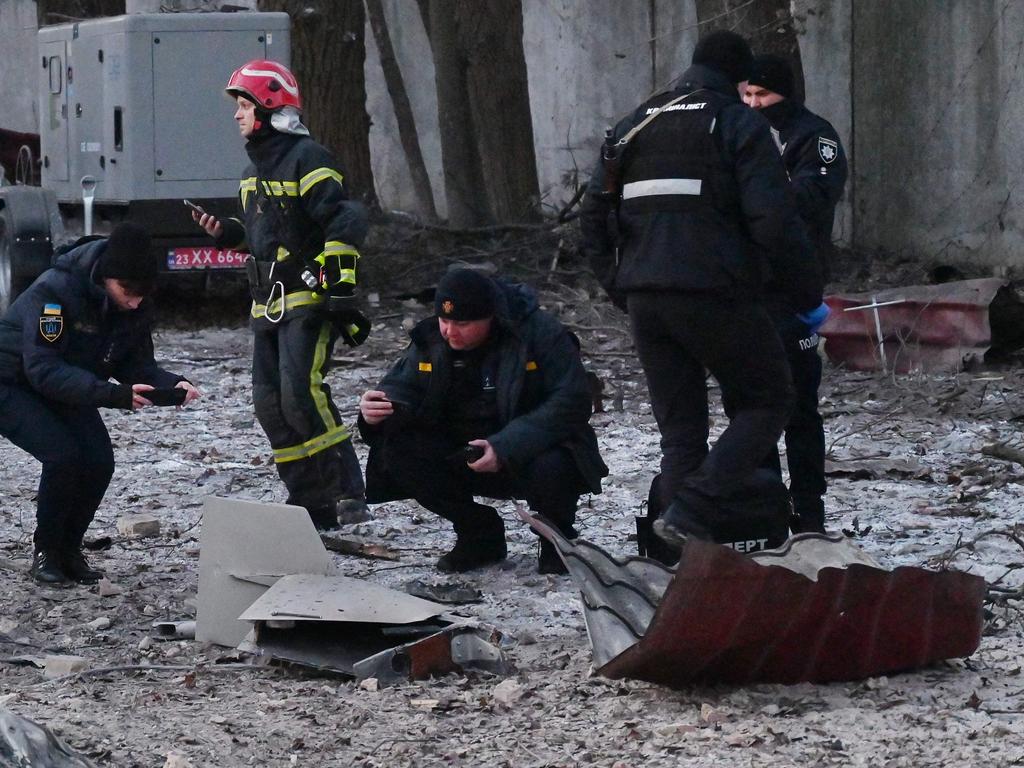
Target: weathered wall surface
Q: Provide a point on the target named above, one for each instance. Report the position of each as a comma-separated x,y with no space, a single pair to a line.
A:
18,110
939,99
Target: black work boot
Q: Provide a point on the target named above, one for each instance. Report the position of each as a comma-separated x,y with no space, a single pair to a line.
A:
470,554
549,561
324,518
353,510
77,568
681,520
46,567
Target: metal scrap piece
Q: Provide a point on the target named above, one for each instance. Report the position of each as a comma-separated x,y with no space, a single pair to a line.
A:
725,617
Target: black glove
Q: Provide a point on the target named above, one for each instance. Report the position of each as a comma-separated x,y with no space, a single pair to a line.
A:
352,324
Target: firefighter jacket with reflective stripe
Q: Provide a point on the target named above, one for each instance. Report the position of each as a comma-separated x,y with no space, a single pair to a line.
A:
542,394
704,204
64,339
297,218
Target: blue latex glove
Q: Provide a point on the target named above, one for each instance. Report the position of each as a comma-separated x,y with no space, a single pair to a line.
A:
815,318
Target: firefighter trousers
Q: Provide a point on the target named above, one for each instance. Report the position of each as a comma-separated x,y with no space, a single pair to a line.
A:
74,447
312,447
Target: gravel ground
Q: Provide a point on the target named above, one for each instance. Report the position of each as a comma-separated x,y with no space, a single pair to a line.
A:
960,712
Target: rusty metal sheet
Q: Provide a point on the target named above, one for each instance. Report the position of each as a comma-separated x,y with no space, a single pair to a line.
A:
923,327
815,610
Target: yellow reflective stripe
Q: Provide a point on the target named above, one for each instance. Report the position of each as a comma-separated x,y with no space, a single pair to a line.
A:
311,447
291,301
283,253
531,365
316,377
281,188
426,367
336,248
312,178
348,276
245,188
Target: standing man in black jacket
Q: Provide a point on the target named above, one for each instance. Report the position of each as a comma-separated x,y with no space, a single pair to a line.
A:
489,399
816,165
302,231
79,324
682,223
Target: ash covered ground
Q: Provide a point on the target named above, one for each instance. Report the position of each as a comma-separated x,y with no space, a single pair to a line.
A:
931,493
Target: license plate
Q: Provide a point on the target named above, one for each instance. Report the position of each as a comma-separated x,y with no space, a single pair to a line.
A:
205,258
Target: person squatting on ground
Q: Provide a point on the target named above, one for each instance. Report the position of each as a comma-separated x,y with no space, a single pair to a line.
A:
302,231
495,374
680,223
79,324
816,164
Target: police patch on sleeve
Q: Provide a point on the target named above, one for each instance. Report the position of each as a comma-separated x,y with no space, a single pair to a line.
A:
828,150
51,323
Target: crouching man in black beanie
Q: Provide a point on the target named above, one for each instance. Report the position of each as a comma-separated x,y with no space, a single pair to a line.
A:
80,324
490,399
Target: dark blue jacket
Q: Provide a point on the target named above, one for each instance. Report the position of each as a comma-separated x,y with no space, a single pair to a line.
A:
64,339
544,399
727,252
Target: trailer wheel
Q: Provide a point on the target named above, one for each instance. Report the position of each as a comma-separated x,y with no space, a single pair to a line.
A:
25,244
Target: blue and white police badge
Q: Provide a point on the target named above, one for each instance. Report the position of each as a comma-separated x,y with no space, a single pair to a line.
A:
51,324
828,150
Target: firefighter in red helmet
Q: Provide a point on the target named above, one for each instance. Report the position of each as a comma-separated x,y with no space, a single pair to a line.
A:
303,232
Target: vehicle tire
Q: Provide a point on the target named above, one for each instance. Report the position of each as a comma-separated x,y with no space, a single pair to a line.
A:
25,243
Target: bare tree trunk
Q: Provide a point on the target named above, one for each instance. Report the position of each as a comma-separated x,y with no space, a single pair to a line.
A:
484,110
403,110
767,24
60,11
328,52
463,175
499,97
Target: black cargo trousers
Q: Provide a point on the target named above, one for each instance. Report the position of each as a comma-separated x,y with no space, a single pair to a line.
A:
74,447
679,336
311,445
427,466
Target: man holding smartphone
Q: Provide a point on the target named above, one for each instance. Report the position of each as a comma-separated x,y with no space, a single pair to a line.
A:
490,399
81,323
303,231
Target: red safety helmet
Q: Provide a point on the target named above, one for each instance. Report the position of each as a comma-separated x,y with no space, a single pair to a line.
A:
267,84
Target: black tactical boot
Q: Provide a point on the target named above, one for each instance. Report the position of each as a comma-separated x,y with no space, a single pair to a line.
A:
470,554
77,568
352,511
45,567
324,518
548,560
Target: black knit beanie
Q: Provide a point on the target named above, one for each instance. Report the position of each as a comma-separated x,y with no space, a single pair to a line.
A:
128,258
773,73
464,294
727,52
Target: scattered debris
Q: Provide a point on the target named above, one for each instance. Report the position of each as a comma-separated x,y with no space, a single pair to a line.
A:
872,469
246,546
107,588
508,692
138,526
99,624
61,665
26,743
917,327
356,547
452,593
817,609
175,630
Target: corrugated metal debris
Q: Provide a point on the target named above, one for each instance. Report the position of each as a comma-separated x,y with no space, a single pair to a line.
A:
818,610
914,328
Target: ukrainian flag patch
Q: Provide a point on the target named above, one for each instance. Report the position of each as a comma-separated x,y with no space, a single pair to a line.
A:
426,367
51,309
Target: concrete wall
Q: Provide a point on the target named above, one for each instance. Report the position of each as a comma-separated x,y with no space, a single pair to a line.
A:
939,102
18,109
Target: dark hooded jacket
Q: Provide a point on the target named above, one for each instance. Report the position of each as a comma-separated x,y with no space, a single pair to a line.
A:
543,396
64,339
738,229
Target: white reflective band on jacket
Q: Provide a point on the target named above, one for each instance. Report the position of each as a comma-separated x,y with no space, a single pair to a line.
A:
661,187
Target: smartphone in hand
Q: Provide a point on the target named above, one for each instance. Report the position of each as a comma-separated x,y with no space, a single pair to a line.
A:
197,208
